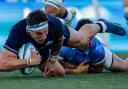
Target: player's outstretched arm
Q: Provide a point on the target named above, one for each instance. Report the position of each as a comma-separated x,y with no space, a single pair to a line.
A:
9,61
96,68
56,46
82,68
53,67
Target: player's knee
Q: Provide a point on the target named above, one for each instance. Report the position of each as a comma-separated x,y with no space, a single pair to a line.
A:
125,67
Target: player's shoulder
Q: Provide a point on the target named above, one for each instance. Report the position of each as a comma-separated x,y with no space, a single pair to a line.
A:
96,49
20,26
95,42
64,51
21,23
56,28
53,19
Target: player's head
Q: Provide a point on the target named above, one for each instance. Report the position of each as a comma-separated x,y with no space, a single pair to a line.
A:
37,25
82,22
53,6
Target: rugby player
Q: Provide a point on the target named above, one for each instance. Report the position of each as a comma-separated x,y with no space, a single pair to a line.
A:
48,34
56,8
93,59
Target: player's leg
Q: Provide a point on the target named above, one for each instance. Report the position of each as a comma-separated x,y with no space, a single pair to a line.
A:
105,26
77,39
114,63
89,30
119,65
81,38
111,27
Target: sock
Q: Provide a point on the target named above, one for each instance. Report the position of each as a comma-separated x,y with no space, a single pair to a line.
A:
102,25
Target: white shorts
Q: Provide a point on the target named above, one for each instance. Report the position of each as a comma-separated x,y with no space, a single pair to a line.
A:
108,58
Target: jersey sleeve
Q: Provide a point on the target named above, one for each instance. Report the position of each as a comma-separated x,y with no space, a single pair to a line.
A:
15,39
97,52
60,29
62,52
56,26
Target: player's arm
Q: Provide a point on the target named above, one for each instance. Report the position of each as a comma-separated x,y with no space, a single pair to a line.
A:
56,46
9,61
8,56
55,49
51,64
83,68
59,39
53,67
97,68
68,65
67,14
76,69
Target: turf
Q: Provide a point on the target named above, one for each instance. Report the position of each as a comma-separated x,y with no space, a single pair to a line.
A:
122,54
14,80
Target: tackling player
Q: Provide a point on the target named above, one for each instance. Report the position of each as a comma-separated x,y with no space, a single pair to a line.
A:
93,59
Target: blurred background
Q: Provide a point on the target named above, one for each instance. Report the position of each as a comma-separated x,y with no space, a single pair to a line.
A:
12,11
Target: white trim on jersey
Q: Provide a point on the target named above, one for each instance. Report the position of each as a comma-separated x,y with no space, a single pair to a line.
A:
99,62
108,58
12,50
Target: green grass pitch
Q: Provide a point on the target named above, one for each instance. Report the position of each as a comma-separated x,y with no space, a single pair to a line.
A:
14,80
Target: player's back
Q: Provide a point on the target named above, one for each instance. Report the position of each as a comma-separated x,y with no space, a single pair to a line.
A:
93,54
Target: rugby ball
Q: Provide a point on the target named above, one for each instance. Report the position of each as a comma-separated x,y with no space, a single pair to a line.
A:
24,53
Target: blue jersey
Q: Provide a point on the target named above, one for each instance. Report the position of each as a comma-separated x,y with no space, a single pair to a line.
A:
94,54
19,36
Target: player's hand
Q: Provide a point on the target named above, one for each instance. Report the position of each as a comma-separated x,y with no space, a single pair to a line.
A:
53,69
35,59
49,68
82,68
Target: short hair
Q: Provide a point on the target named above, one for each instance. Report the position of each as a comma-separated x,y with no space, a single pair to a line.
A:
36,17
82,22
